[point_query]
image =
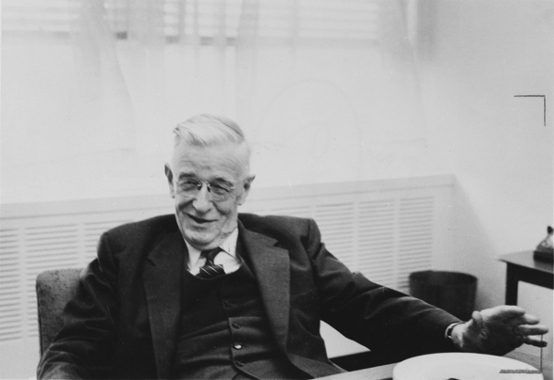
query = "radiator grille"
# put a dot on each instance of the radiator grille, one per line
(384, 229)
(10, 285)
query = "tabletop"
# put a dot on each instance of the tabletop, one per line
(384, 372)
(525, 259)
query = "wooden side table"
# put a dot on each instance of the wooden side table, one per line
(522, 267)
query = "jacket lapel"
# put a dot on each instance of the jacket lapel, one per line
(271, 267)
(162, 276)
(162, 284)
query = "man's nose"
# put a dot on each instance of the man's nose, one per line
(202, 200)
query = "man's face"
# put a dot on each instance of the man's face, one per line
(207, 214)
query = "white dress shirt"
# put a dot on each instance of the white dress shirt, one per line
(226, 258)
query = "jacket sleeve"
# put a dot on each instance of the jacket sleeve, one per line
(386, 321)
(84, 346)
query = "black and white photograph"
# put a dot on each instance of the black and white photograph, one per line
(277, 189)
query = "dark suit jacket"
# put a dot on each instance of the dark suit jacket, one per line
(124, 319)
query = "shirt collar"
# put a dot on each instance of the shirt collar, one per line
(229, 246)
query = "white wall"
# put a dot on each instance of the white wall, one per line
(483, 54)
(480, 55)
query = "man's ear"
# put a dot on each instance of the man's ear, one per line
(169, 176)
(246, 189)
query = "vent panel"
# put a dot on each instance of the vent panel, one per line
(336, 222)
(416, 237)
(92, 230)
(385, 233)
(10, 289)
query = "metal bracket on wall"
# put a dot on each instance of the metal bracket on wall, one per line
(536, 96)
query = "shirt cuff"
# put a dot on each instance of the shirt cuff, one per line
(448, 330)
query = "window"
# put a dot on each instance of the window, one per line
(201, 21)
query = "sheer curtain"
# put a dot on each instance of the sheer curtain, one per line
(326, 89)
(337, 97)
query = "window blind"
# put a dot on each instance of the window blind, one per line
(201, 21)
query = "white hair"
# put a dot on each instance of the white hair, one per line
(211, 130)
(206, 129)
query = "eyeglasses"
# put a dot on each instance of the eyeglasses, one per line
(218, 192)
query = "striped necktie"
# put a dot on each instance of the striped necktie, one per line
(210, 270)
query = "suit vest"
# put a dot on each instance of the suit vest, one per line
(224, 331)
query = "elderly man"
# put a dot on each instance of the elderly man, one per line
(210, 293)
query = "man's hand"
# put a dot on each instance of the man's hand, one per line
(498, 330)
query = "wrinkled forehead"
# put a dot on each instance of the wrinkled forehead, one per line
(229, 160)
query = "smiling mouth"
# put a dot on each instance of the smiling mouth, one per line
(199, 220)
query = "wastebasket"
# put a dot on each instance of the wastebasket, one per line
(451, 291)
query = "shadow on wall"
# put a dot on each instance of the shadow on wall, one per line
(472, 251)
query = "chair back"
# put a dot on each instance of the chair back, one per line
(54, 290)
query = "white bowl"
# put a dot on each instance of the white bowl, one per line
(464, 366)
